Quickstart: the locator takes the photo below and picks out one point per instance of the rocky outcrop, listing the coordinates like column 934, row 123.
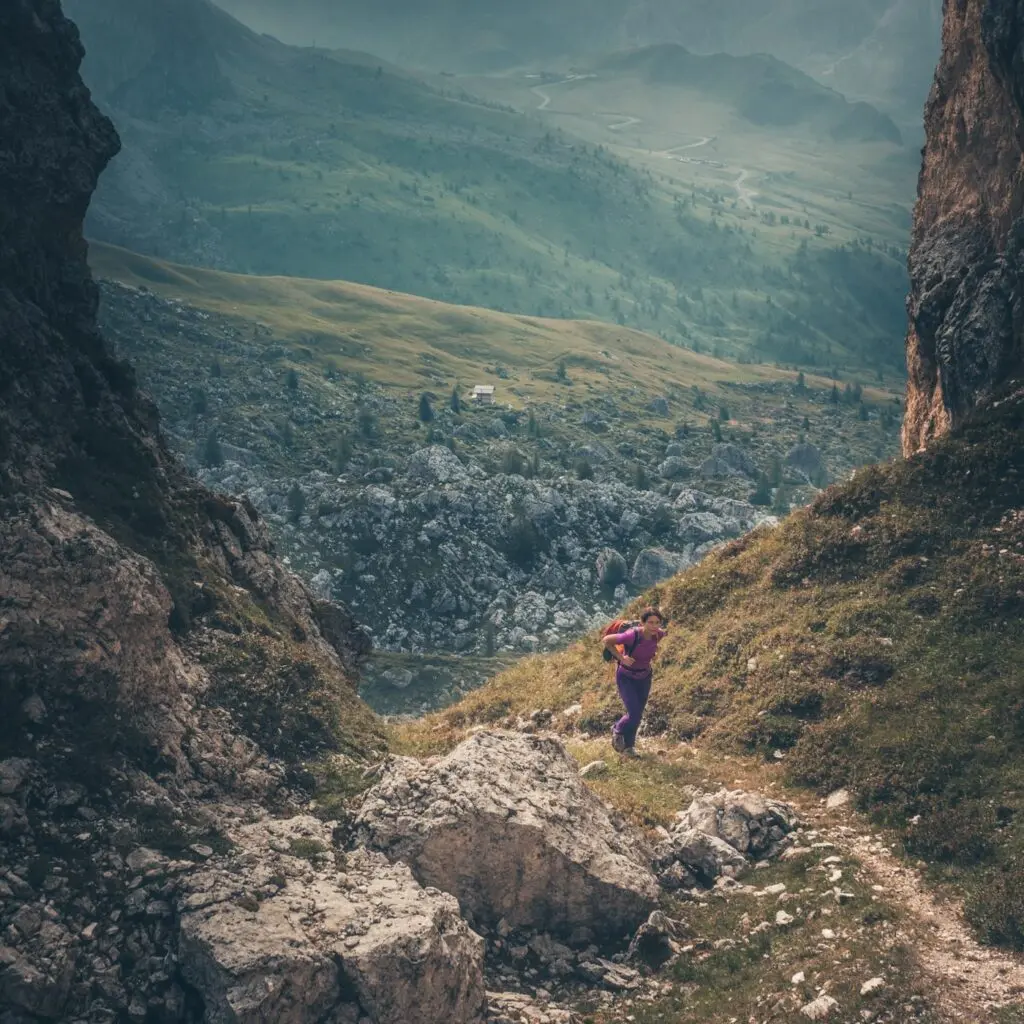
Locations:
column 967, row 283
column 506, row 825
column 155, row 656
column 281, row 930
column 452, row 558
column 722, row 834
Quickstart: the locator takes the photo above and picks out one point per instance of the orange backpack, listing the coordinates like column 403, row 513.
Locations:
column 620, row 626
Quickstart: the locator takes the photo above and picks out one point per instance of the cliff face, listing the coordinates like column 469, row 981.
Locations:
column 156, row 661
column 967, row 295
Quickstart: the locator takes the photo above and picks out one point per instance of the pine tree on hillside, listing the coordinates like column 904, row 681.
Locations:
column 426, row 412
column 296, row 503
column 213, row 454
column 456, row 401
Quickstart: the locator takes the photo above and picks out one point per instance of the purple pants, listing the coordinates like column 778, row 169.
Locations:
column 634, row 694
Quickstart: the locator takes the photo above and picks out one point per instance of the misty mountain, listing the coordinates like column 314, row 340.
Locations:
column 881, row 50
column 245, row 154
column 760, row 88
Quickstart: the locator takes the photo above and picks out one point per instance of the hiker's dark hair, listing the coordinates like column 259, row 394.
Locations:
column 651, row 613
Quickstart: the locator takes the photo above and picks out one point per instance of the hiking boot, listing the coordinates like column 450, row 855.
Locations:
column 618, row 742
column 631, row 753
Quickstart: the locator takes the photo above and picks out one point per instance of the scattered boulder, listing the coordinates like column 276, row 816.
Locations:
column 506, row 825
column 655, row 941
column 518, row 1008
column 753, row 825
column 276, row 931
column 705, row 855
column 531, row 611
column 436, row 465
column 839, row 798
column 701, row 528
column 653, row 565
column 675, row 468
column 807, row 461
column 612, row 568
column 820, row 1008
column 659, row 406
column 728, row 460
column 721, row 834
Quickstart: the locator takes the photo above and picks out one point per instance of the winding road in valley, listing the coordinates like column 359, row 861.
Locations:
column 745, row 195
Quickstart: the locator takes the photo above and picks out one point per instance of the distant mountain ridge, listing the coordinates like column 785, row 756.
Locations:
column 247, row 154
column 761, row 88
column 881, row 50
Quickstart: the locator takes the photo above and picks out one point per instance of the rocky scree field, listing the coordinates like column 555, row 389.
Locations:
column 872, row 641
column 479, row 531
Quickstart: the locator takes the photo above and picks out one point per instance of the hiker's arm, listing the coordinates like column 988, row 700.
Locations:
column 619, row 638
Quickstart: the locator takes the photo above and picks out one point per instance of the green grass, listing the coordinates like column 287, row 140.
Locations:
column 874, row 640
column 391, row 338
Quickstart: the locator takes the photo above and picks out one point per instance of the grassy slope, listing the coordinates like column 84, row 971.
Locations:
column 391, row 337
column 875, row 639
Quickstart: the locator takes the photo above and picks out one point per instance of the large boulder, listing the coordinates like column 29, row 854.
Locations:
column 701, row 527
column 807, row 460
column 436, row 465
column 653, row 565
column 675, row 468
column 505, row 824
column 728, row 460
column 612, row 568
column 278, row 932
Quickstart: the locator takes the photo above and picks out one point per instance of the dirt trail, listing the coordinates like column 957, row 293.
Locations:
column 746, row 195
column 970, row 981
column 968, row 976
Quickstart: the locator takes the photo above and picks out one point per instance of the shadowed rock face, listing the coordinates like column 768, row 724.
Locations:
column 966, row 315
column 156, row 660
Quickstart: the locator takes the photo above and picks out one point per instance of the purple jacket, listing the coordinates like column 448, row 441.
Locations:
column 642, row 654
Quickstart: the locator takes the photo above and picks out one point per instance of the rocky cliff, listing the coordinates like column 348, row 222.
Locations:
column 964, row 345
column 157, row 661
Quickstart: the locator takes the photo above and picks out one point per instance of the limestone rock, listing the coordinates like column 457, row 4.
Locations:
column 751, row 824
column 728, row 460
column 675, row 468
column 356, row 940
column 964, row 343
column 653, row 565
column 506, row 825
column 706, row 855
column 722, row 834
column 807, row 460
column 612, row 568
column 820, row 1008
column 436, row 465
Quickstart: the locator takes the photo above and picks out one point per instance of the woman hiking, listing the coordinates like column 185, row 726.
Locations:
column 634, row 650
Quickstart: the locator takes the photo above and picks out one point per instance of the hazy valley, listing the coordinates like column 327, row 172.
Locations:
column 274, row 160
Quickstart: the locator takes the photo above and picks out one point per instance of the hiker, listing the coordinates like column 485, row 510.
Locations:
column 634, row 650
